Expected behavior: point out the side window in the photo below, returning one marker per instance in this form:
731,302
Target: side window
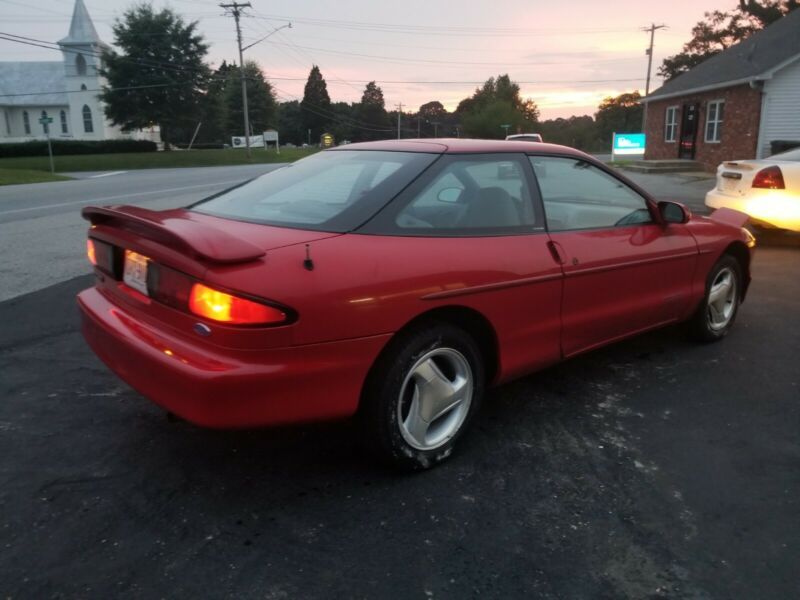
578,195
471,195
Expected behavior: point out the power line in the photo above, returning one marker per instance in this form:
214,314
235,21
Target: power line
442,30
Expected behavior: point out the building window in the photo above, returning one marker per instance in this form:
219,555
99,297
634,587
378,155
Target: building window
26,122
671,124
83,87
8,124
80,65
714,121
88,127
45,126
64,122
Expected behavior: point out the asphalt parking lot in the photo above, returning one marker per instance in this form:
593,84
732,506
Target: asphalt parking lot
653,468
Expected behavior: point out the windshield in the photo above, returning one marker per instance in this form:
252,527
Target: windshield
331,191
790,155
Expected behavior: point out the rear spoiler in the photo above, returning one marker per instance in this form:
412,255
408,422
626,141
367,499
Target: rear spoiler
199,240
736,165
728,216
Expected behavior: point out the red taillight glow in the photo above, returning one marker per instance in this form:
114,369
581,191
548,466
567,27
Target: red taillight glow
226,308
91,251
770,178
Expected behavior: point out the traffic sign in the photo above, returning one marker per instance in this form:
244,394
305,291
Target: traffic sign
46,120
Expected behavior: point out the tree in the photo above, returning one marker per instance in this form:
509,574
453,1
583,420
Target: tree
487,121
372,115
432,111
290,123
498,102
316,103
622,114
261,104
720,30
158,49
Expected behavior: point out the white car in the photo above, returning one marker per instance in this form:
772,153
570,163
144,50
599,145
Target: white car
768,190
525,137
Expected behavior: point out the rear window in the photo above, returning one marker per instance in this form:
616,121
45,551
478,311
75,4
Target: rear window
790,155
330,191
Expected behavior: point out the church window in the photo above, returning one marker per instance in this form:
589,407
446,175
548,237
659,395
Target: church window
26,122
88,127
80,65
83,87
64,122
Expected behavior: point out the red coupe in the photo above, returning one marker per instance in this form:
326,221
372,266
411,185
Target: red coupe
395,281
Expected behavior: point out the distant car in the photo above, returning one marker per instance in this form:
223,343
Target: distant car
768,190
395,281
525,137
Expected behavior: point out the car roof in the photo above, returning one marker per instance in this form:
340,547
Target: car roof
464,146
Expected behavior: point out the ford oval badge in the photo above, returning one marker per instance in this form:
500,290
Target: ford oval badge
202,329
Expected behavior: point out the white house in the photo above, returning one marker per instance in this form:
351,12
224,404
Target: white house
65,90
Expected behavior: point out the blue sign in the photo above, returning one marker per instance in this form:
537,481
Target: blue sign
628,143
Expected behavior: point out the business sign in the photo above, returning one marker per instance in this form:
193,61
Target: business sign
271,136
326,140
239,141
628,143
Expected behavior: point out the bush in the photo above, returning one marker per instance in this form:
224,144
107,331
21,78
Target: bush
65,147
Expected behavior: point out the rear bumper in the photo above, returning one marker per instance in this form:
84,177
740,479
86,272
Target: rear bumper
224,388
777,208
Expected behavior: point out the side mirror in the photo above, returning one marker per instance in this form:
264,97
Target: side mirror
674,212
449,195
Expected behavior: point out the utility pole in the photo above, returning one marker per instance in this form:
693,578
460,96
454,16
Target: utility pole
419,127
235,8
652,29
399,112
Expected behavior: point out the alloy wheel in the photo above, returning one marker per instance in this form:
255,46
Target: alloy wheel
435,398
722,298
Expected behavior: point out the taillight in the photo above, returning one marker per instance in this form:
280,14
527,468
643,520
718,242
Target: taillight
227,308
770,178
91,251
101,255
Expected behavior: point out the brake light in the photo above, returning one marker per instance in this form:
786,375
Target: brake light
770,178
227,308
91,251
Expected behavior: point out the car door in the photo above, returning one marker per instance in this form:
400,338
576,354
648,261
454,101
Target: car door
624,270
471,236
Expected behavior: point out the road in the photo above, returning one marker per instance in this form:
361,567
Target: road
43,237
656,468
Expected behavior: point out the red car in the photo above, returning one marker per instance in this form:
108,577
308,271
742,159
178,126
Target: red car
397,280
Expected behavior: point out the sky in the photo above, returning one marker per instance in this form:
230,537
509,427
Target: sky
567,54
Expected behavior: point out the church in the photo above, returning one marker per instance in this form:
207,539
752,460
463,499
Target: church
65,91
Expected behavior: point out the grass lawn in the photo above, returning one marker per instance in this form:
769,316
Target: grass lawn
152,160
14,176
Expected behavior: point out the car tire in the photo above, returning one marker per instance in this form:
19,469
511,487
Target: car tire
716,314
421,395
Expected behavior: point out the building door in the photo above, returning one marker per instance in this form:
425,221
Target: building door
688,139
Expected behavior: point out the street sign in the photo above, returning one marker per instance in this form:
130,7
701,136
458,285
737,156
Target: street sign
627,144
46,120
326,140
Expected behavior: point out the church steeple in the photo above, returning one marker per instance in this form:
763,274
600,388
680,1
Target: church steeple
81,29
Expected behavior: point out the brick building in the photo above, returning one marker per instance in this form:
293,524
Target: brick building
734,105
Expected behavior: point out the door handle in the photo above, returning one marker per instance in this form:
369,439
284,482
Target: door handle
556,252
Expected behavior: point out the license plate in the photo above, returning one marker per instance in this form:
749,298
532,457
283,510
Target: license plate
729,184
135,273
